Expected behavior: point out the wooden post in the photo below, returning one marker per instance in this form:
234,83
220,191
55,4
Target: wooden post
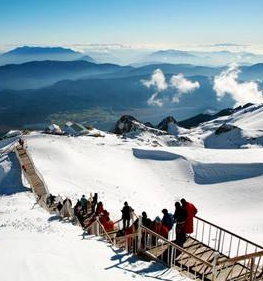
97,228
139,234
214,269
251,277
219,240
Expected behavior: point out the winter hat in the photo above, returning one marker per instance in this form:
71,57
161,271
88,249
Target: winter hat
157,219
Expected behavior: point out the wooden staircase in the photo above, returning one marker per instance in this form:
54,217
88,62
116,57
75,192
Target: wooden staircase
33,177
204,255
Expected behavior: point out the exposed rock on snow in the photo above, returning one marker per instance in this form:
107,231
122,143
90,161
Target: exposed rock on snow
166,123
167,132
125,124
185,139
225,128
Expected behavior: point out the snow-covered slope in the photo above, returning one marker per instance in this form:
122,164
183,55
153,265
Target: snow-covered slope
35,246
226,185
247,130
150,171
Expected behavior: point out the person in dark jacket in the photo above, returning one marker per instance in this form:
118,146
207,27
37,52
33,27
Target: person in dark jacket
78,212
59,207
50,200
83,202
126,215
180,217
145,220
167,219
94,202
21,142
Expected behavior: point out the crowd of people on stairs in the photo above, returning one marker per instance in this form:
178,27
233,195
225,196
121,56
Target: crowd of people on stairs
86,211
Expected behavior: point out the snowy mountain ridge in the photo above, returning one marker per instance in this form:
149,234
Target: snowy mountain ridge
241,129
246,130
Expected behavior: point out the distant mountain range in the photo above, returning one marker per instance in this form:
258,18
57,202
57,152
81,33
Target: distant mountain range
26,54
37,74
132,57
218,58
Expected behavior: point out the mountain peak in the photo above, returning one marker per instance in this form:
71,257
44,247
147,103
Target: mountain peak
28,50
164,124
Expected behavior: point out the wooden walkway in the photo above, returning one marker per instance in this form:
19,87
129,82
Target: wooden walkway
33,177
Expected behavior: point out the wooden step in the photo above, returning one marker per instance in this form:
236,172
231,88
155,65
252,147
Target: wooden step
228,273
158,251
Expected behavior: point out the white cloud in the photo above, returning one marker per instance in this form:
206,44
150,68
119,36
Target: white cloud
178,82
241,92
157,80
153,100
182,85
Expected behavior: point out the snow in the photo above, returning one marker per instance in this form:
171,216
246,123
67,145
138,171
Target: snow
249,132
151,178
13,133
35,246
150,172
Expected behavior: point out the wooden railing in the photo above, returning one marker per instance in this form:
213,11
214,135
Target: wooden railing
172,255
219,267
222,240
236,250
41,198
38,173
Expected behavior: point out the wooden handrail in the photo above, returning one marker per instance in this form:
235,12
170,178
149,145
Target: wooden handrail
121,219
117,221
104,230
240,258
176,246
127,236
229,232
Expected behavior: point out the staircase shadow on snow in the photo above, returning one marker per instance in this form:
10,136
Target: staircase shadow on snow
154,270
12,181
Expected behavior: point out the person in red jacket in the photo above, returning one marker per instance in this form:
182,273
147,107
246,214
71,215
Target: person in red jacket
191,212
99,209
160,228
106,222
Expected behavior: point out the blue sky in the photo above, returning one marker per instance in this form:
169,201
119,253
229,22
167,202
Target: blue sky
166,22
